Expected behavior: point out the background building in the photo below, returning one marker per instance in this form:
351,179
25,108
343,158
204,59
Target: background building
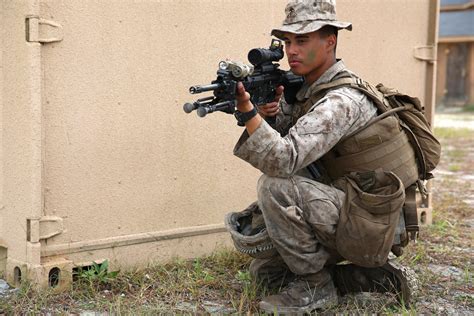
455,77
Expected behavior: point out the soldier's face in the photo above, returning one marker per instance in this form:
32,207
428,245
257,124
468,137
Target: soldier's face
307,53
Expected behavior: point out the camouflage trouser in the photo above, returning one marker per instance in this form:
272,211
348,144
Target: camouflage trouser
301,217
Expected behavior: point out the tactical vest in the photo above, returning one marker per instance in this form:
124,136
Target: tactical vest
382,143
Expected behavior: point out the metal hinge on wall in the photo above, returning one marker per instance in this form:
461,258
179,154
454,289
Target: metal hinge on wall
44,228
42,31
426,53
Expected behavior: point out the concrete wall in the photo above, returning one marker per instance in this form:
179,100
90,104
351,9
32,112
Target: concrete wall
99,160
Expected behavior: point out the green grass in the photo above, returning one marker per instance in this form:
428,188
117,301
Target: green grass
454,168
160,288
449,133
469,108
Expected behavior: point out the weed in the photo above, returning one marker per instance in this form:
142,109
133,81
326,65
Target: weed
98,272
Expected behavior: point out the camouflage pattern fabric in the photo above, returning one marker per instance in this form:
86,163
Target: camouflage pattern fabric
301,214
304,10
306,16
341,112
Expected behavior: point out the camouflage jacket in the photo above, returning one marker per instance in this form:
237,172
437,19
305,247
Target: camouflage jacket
285,150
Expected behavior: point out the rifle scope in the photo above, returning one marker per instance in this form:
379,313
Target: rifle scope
258,56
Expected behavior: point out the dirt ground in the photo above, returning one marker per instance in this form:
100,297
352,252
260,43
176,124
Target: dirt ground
444,257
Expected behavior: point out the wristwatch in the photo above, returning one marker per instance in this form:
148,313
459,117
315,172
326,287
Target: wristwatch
244,117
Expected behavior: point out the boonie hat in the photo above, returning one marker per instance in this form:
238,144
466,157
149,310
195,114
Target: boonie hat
306,16
249,234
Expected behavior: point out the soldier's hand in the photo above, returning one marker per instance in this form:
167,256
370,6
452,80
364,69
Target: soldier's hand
271,109
243,99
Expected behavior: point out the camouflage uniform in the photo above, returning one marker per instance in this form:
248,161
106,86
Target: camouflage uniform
300,213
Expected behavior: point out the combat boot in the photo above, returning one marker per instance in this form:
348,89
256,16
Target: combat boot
304,295
392,277
271,272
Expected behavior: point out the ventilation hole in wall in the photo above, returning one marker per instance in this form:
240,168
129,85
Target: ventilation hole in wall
423,217
17,275
53,278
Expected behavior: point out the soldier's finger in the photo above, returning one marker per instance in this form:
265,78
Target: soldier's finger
269,105
240,88
278,93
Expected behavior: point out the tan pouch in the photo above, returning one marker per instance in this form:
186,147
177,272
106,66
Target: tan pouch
369,217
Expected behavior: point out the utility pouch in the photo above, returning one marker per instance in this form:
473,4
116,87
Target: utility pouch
369,217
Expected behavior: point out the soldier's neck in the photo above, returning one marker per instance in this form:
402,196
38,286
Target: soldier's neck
314,75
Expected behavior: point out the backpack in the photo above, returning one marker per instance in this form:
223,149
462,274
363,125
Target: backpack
411,116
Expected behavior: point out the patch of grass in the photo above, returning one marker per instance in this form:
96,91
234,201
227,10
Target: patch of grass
175,287
454,168
468,108
449,133
457,154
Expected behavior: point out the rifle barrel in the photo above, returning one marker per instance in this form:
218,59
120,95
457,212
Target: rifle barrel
204,88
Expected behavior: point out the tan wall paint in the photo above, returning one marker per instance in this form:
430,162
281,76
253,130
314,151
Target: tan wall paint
121,155
94,131
3,247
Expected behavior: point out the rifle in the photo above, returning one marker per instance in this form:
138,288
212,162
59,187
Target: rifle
260,79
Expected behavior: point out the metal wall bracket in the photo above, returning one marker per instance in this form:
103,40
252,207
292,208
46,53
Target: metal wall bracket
426,53
50,226
42,31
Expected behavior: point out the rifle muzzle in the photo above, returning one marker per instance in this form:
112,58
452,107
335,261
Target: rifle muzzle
200,89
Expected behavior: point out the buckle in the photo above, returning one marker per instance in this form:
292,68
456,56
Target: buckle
413,232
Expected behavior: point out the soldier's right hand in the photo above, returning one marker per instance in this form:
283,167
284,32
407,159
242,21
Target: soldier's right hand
271,109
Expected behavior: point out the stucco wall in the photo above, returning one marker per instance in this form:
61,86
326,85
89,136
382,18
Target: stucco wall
117,144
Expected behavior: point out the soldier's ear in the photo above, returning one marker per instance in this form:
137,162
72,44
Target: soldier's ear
331,42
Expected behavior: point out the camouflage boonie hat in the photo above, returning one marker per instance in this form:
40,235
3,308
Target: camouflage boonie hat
306,16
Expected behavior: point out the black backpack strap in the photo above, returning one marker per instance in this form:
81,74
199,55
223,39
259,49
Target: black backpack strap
411,214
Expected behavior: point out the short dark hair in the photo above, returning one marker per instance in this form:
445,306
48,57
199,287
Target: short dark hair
329,30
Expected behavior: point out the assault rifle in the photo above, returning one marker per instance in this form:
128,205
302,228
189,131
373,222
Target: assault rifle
260,79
